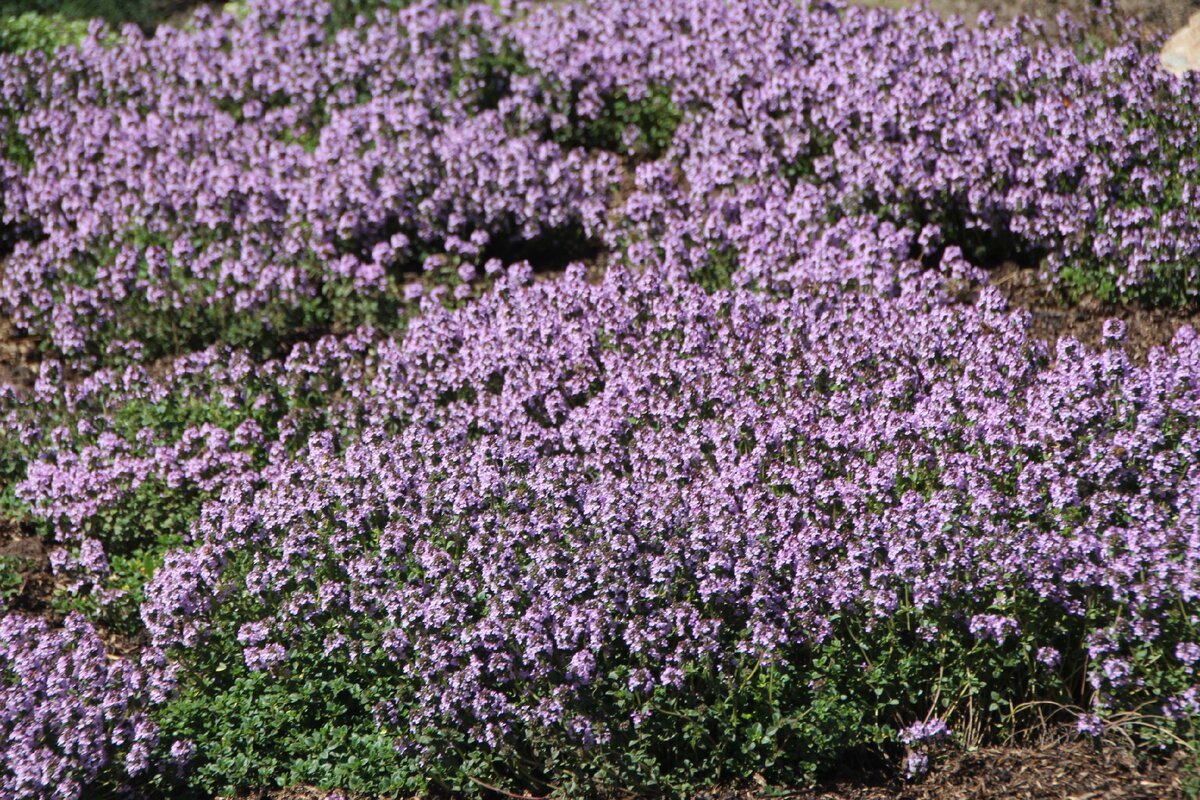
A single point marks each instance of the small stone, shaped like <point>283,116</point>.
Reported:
<point>1181,53</point>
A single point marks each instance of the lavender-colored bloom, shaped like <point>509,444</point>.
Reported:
<point>925,731</point>
<point>68,712</point>
<point>916,764</point>
<point>265,657</point>
<point>182,752</point>
<point>1184,705</point>
<point>1113,331</point>
<point>1089,725</point>
<point>993,627</point>
<point>1188,653</point>
<point>1049,657</point>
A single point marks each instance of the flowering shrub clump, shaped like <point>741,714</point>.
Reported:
<point>871,129</point>
<point>748,484</point>
<point>93,444</point>
<point>68,715</point>
<point>114,466</point>
<point>607,498</point>
<point>242,179</point>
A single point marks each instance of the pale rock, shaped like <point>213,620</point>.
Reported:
<point>1181,53</point>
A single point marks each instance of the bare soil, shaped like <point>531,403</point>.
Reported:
<point>1067,770</point>
<point>1146,327</point>
<point>18,356</point>
<point>37,580</point>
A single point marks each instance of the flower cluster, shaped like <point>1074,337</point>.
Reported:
<point>67,711</point>
<point>916,762</point>
<point>815,133</point>
<point>641,478</point>
<point>275,166</point>
<point>177,183</point>
<point>93,444</point>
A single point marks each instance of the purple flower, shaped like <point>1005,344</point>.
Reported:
<point>993,627</point>
<point>1089,725</point>
<point>916,764</point>
<point>1188,653</point>
<point>1113,331</point>
<point>265,657</point>
<point>1049,657</point>
<point>926,731</point>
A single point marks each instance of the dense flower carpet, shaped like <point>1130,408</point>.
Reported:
<point>570,398</point>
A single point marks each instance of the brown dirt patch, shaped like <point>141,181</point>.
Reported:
<point>37,581</point>
<point>1070,770</point>
<point>18,356</point>
<point>1080,771</point>
<point>1147,327</point>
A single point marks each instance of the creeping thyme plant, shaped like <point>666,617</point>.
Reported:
<point>581,397</point>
